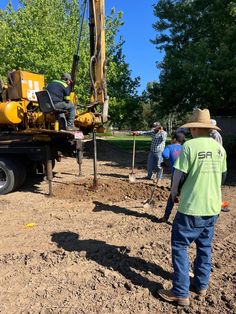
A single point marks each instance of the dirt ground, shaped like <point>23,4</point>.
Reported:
<point>84,251</point>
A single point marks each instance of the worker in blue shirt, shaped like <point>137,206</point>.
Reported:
<point>171,152</point>
<point>59,91</point>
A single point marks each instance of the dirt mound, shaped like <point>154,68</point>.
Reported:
<point>108,191</point>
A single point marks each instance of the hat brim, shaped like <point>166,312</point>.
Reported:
<point>200,126</point>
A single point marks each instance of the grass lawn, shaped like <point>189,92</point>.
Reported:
<point>126,142</point>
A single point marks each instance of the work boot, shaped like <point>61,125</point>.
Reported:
<point>201,292</point>
<point>168,295</point>
<point>198,291</point>
<point>147,178</point>
<point>72,128</point>
<point>193,287</point>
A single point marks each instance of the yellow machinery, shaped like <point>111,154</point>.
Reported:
<point>29,138</point>
<point>92,118</point>
<point>19,109</point>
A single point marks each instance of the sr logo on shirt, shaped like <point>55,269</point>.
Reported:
<point>204,155</point>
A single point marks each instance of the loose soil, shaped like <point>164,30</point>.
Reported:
<point>85,251</point>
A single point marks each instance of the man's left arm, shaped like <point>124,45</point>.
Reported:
<point>224,169</point>
<point>223,179</point>
<point>162,135</point>
<point>166,152</point>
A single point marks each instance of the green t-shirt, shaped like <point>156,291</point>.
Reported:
<point>203,160</point>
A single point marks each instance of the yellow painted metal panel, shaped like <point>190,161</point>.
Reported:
<point>25,84</point>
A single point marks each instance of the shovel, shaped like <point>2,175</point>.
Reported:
<point>150,202</point>
<point>132,177</point>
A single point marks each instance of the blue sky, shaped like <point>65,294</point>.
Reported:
<point>137,32</point>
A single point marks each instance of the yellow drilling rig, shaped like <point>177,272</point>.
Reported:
<point>30,139</point>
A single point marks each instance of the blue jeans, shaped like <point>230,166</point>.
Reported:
<point>154,162</point>
<point>71,109</point>
<point>185,230</point>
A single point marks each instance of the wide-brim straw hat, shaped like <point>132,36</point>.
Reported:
<point>200,119</point>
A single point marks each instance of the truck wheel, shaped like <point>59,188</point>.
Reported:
<point>12,175</point>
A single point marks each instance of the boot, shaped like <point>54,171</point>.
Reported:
<point>168,295</point>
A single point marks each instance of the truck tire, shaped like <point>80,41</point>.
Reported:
<point>12,175</point>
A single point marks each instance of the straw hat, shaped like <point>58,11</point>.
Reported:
<point>200,119</point>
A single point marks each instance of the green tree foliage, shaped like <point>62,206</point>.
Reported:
<point>199,68</point>
<point>41,37</point>
<point>125,108</point>
<point>151,105</point>
<point>124,101</point>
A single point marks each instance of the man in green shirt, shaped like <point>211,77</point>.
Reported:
<point>199,172</point>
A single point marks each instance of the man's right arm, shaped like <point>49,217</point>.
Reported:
<point>178,180</point>
<point>181,171</point>
<point>150,133</point>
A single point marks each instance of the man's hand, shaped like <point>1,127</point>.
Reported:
<point>135,132</point>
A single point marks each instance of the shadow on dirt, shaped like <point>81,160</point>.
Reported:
<point>122,210</point>
<point>32,184</point>
<point>114,175</point>
<point>115,257</point>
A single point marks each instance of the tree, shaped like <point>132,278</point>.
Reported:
<point>151,104</point>
<point>124,101</point>
<point>199,67</point>
<point>41,37</point>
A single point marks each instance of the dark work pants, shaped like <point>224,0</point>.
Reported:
<point>71,109</point>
